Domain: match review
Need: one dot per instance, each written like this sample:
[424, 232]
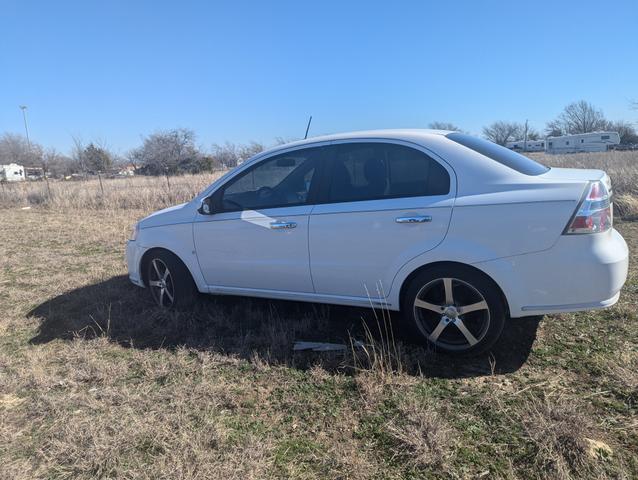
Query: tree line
[175, 151]
[165, 152]
[577, 117]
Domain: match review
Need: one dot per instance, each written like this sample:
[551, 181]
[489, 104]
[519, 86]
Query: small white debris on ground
[324, 346]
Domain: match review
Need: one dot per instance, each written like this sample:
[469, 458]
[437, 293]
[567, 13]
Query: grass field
[95, 382]
[151, 193]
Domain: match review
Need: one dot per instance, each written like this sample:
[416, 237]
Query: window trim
[326, 178]
[217, 196]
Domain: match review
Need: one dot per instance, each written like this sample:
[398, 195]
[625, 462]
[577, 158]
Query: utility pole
[26, 127]
[525, 139]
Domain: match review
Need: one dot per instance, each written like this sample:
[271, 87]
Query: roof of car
[397, 134]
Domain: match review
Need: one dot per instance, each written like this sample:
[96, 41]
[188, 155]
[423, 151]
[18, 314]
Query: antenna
[308, 127]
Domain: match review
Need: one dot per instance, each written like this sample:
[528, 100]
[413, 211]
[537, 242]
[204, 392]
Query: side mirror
[206, 208]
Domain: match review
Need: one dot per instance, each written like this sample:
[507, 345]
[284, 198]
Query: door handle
[415, 219]
[282, 225]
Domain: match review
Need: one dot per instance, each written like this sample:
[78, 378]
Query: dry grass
[423, 436]
[560, 436]
[136, 193]
[95, 382]
[622, 167]
[153, 193]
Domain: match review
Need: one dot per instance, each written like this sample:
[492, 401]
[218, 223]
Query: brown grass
[136, 193]
[622, 167]
[559, 434]
[424, 438]
[95, 382]
[153, 193]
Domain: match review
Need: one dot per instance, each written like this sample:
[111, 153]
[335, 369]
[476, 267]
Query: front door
[257, 236]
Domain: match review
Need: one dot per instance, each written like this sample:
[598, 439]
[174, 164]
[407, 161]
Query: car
[456, 233]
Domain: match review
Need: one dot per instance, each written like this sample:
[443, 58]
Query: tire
[173, 290]
[433, 319]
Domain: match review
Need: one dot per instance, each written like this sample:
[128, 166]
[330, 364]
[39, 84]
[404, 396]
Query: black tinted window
[280, 181]
[502, 155]
[368, 171]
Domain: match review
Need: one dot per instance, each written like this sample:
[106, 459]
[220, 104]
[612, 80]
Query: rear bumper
[576, 307]
[580, 272]
[133, 256]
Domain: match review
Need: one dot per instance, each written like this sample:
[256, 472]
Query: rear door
[381, 205]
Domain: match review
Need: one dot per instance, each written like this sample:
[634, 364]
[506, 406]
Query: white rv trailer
[582, 142]
[529, 146]
[12, 173]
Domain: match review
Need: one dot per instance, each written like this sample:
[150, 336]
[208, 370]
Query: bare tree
[503, 132]
[553, 129]
[226, 155]
[77, 155]
[444, 126]
[284, 140]
[230, 155]
[626, 131]
[577, 117]
[56, 164]
[168, 152]
[533, 134]
[14, 148]
[250, 150]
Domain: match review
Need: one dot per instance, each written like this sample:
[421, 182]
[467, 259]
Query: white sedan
[457, 233]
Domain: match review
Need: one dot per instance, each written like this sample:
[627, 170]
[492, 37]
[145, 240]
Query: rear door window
[372, 171]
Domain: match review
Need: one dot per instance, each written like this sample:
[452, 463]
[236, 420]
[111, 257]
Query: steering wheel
[265, 192]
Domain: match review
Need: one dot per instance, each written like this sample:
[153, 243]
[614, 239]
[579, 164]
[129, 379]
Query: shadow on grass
[248, 327]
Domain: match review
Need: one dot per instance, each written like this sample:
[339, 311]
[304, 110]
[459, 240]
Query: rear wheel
[455, 309]
[169, 281]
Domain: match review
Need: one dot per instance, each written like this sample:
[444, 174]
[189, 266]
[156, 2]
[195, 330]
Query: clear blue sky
[238, 71]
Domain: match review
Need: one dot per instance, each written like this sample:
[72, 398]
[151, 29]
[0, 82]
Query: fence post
[168, 183]
[46, 179]
[99, 176]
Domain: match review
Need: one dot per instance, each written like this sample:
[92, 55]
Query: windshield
[502, 155]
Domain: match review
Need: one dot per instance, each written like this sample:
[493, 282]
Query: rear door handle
[282, 225]
[415, 219]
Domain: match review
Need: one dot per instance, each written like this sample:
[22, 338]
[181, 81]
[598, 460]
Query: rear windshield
[502, 155]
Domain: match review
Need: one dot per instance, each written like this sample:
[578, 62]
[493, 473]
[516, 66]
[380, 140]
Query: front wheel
[455, 309]
[169, 280]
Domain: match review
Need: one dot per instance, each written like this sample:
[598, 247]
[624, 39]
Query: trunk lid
[578, 175]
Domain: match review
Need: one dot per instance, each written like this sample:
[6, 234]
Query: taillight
[594, 213]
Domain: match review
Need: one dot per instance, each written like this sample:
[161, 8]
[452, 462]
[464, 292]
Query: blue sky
[240, 71]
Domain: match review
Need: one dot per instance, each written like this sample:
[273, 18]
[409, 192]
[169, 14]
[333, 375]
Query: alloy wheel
[452, 314]
[161, 283]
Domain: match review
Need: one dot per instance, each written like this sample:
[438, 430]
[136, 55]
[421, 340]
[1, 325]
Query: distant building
[12, 173]
[34, 173]
[126, 171]
[529, 146]
[583, 142]
[122, 171]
